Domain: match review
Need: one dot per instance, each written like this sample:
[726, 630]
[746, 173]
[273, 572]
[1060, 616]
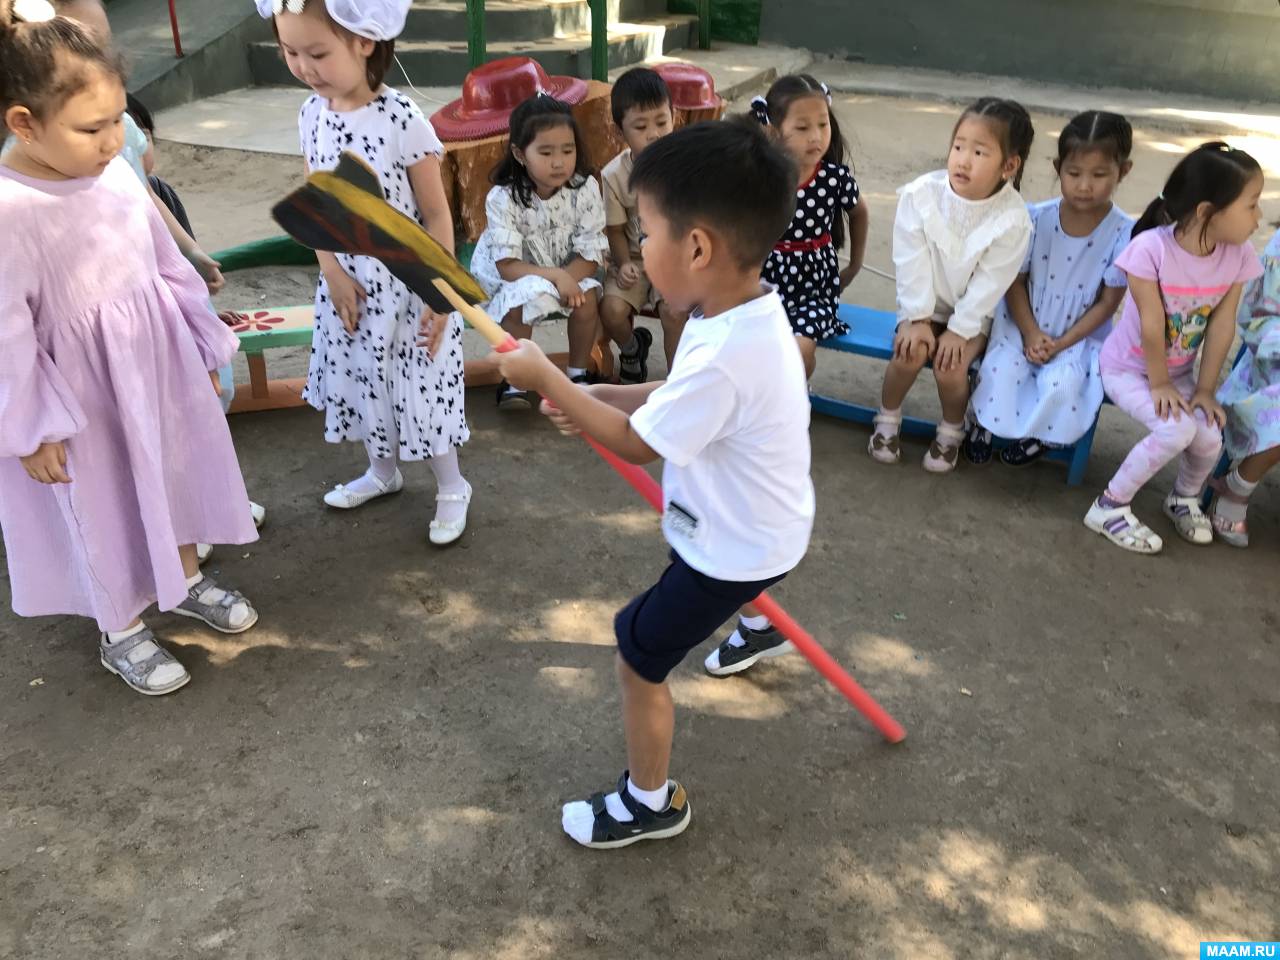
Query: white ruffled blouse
[956, 258]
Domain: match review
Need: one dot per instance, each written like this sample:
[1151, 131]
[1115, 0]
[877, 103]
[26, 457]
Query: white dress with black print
[805, 265]
[376, 385]
[545, 233]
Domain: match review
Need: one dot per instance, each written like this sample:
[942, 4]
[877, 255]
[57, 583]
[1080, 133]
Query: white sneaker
[344, 498]
[259, 514]
[203, 552]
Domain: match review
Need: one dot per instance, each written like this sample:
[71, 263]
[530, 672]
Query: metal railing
[478, 53]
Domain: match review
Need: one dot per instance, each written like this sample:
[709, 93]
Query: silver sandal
[1188, 519]
[218, 613]
[143, 664]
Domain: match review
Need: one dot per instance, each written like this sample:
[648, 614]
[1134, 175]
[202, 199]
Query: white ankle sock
[1229, 510]
[449, 481]
[889, 429]
[115, 636]
[760, 622]
[577, 819]
[382, 471]
[575, 371]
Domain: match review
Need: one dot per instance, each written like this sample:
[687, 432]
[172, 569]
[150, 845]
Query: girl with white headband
[369, 374]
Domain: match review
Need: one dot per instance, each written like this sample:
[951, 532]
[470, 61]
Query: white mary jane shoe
[441, 532]
[344, 498]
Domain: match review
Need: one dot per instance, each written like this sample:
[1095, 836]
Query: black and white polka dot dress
[804, 265]
[377, 386]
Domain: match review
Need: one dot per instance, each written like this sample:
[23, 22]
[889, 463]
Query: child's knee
[957, 378]
[913, 362]
[1177, 435]
[615, 310]
[1207, 439]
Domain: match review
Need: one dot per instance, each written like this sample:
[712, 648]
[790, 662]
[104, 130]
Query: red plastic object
[491, 91]
[822, 661]
[173, 25]
[691, 87]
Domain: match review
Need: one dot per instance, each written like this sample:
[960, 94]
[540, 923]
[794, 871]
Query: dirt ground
[376, 770]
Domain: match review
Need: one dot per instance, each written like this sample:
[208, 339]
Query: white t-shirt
[732, 423]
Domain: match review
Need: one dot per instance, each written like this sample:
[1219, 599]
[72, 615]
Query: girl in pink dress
[115, 459]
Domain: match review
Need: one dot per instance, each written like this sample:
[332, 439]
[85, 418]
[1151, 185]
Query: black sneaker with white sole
[510, 398]
[645, 824]
[730, 657]
[634, 368]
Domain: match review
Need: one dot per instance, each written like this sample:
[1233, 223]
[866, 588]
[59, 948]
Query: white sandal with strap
[1188, 519]
[444, 532]
[1135, 536]
[885, 447]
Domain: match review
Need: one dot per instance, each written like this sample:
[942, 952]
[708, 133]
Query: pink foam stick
[650, 489]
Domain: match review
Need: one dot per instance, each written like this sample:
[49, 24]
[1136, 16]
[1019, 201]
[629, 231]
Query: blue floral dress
[1251, 394]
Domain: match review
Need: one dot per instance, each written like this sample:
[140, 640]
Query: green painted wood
[734, 21]
[600, 40]
[272, 252]
[475, 33]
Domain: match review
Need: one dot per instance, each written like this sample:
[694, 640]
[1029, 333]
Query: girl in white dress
[959, 238]
[544, 243]
[1039, 384]
[369, 374]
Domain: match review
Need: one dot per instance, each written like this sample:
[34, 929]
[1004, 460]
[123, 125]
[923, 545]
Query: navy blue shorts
[657, 629]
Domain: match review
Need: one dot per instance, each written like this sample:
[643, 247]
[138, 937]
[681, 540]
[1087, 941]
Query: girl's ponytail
[1156, 215]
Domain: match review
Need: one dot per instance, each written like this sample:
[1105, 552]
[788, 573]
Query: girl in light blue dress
[1251, 396]
[1039, 384]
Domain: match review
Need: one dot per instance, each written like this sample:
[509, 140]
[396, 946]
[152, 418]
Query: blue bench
[871, 335]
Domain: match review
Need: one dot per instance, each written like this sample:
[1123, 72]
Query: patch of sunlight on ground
[877, 653]
[736, 701]
[581, 682]
[587, 622]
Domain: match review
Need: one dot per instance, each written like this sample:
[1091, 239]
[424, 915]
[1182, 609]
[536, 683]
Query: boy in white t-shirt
[641, 106]
[732, 423]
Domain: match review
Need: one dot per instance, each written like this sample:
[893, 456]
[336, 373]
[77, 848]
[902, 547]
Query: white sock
[449, 481]
[575, 371]
[115, 636]
[1229, 510]
[889, 429]
[577, 819]
[375, 479]
[214, 594]
[760, 622]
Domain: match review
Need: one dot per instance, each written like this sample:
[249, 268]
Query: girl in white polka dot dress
[805, 265]
[376, 378]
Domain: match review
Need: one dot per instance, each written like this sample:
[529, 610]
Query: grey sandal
[143, 664]
[217, 614]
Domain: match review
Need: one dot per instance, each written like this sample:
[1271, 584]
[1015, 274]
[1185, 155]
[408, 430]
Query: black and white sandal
[1022, 453]
[607, 833]
[978, 445]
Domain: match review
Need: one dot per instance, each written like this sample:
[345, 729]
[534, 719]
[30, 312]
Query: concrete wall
[1223, 48]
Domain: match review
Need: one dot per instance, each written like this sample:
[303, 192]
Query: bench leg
[258, 387]
[1080, 457]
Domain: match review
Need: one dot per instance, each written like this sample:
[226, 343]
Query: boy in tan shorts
[642, 114]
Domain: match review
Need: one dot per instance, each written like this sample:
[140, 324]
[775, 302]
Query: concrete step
[511, 20]
[444, 62]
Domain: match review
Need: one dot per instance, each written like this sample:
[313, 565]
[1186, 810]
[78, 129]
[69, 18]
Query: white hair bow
[371, 19]
[34, 11]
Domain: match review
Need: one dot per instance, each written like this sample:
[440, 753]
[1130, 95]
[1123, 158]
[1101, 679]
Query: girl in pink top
[1188, 262]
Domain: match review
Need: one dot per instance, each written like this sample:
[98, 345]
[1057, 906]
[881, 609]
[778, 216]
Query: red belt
[801, 246]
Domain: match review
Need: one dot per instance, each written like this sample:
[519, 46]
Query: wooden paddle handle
[480, 321]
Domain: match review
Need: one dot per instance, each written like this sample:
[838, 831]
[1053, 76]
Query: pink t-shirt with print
[1191, 288]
